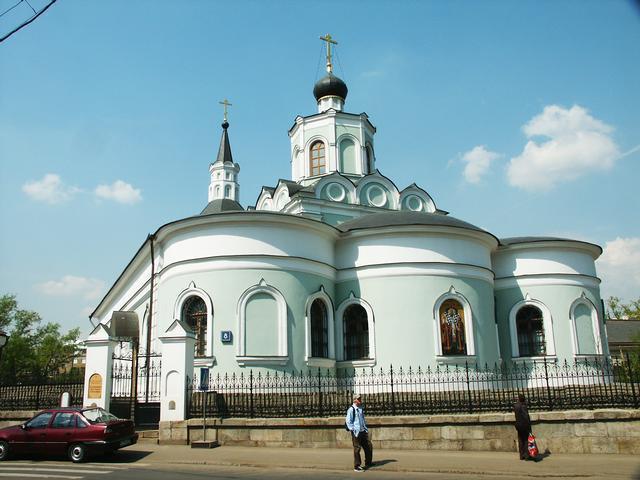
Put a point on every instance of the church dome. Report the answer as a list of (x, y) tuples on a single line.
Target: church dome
[(330, 86)]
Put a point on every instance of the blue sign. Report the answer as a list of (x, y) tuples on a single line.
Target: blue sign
[(204, 379), (226, 336)]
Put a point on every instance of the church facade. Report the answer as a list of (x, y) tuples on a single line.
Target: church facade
[(338, 267)]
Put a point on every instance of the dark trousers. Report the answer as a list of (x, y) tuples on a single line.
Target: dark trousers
[(362, 442), (523, 439)]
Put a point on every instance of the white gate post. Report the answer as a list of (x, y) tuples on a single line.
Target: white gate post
[(178, 344), (98, 367)]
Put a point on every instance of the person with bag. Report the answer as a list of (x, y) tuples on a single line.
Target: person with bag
[(355, 423), (523, 427)]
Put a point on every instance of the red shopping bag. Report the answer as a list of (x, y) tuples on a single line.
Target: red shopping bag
[(532, 446)]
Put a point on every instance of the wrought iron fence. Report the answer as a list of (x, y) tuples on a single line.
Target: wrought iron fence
[(38, 393), (585, 384)]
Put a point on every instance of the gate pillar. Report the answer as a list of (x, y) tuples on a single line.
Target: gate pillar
[(178, 344), (98, 367)]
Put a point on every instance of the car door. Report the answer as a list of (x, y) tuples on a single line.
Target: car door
[(60, 433), (36, 433)]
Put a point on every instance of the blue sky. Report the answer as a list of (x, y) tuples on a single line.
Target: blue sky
[(520, 117)]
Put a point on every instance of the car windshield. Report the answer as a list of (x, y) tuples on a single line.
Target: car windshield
[(98, 415)]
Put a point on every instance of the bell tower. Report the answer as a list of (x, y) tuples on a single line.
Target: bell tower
[(224, 172)]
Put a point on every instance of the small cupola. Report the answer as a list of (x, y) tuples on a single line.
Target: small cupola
[(330, 91), (224, 171)]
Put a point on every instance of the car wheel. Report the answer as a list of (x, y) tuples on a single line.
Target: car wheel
[(77, 452), (4, 450)]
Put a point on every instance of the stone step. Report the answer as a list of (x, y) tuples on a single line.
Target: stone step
[(148, 436)]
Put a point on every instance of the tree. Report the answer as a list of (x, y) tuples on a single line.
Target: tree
[(620, 311), (35, 351)]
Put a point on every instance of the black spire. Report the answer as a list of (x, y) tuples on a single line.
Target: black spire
[(224, 152)]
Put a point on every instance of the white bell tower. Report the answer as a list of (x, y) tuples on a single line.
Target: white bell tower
[(224, 172)]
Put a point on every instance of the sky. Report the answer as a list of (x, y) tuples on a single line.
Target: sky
[(520, 117)]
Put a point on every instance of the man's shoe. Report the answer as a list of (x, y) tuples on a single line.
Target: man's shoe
[(358, 469)]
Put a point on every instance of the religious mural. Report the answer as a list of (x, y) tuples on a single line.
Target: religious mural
[(452, 328)]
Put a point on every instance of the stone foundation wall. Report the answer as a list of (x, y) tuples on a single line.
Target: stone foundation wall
[(574, 431)]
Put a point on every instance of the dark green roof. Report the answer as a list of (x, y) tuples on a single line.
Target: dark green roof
[(220, 205), (404, 218)]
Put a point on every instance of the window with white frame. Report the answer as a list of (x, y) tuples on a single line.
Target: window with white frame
[(530, 328), (356, 333), (319, 326), (585, 328), (194, 314)]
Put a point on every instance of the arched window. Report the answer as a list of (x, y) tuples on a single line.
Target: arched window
[(452, 328), (370, 167), (530, 331), (319, 329), (317, 159), (227, 191), (218, 191), (347, 156), (585, 327), (356, 333), (194, 314)]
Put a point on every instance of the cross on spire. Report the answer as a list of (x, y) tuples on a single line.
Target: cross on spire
[(330, 41), (226, 104)]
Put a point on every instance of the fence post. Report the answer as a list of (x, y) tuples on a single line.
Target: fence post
[(393, 395), (631, 380), (250, 393), (546, 376), (319, 393), (466, 368), (38, 396)]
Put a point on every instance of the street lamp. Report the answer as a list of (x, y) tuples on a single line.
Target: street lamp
[(4, 338)]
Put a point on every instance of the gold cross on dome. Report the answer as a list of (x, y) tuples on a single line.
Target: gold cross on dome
[(327, 38), (226, 104)]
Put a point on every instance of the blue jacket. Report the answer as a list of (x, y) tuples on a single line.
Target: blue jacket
[(355, 420)]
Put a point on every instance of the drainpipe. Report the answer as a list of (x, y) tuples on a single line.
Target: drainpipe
[(151, 238)]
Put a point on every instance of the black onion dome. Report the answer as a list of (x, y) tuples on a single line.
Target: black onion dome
[(330, 85)]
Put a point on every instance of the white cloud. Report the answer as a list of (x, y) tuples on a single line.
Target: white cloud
[(119, 191), (478, 160), (575, 144), (50, 189), (70, 285), (619, 268)]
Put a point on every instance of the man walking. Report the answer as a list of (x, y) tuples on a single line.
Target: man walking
[(523, 426), (359, 435)]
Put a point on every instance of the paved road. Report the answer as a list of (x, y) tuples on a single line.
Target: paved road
[(156, 462)]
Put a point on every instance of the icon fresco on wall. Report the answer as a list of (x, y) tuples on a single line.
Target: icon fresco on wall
[(95, 386), (452, 328)]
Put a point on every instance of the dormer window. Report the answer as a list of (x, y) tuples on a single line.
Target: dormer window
[(317, 160)]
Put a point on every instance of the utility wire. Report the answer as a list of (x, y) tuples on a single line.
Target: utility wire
[(34, 10), (10, 8), (28, 21)]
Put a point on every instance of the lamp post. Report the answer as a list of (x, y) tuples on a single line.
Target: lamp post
[(4, 338)]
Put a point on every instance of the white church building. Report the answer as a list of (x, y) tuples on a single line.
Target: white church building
[(339, 267)]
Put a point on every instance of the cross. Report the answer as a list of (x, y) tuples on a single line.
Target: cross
[(226, 104), (327, 38)]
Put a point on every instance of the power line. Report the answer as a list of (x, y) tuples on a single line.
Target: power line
[(34, 10), (28, 21), (11, 8)]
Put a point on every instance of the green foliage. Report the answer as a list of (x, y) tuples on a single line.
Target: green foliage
[(35, 350), (620, 311)]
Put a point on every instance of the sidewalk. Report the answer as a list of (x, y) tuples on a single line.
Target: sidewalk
[(418, 461)]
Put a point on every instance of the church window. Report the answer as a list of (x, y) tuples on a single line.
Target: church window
[(194, 314), (227, 191), (530, 331), (452, 328), (317, 160), (319, 329), (356, 333), (369, 153), (585, 327), (348, 157), (218, 191), (261, 323)]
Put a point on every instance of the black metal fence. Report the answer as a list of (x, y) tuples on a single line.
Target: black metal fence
[(38, 393), (585, 384)]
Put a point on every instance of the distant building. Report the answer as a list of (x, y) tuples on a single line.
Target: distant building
[(623, 336)]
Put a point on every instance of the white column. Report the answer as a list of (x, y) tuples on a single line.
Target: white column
[(99, 363), (178, 344)]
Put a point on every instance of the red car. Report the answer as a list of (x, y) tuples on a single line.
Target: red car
[(76, 432)]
